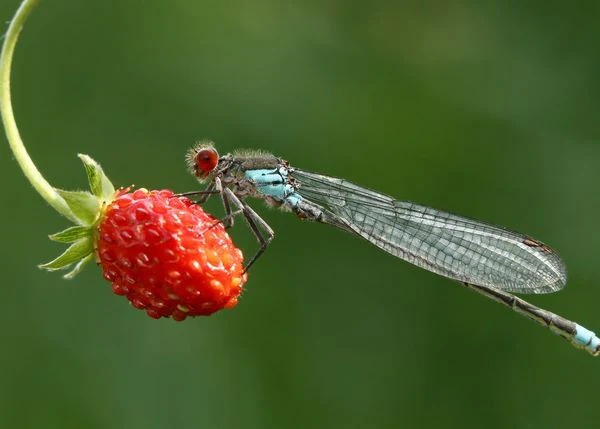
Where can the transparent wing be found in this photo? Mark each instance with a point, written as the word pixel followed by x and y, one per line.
pixel 453 246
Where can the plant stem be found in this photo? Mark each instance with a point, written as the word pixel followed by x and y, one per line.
pixel 40 184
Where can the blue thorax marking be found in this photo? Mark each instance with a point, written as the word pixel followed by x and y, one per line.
pixel 273 183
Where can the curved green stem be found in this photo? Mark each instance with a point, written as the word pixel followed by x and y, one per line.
pixel 40 184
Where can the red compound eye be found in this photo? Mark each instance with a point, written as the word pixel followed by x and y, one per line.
pixel 206 160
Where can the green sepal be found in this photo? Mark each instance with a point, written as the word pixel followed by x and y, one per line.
pixel 71 234
pixel 78 267
pixel 83 204
pixel 100 185
pixel 78 250
pixel 86 210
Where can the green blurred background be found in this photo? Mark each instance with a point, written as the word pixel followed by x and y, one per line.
pixel 489 110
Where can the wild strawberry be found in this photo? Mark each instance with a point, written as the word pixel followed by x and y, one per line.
pixel 163 252
pixel 168 256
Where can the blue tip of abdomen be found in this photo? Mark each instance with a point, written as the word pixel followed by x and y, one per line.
pixel 587 339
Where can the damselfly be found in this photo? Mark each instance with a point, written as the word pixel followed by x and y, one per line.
pixel 490 260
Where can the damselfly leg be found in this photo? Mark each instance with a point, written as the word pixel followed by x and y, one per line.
pixel 255 222
pixel 204 195
pixel 228 199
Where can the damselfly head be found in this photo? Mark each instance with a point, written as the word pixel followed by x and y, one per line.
pixel 202 159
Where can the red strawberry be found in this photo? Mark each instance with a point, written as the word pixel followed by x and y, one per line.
pixel 168 256
pixel 163 252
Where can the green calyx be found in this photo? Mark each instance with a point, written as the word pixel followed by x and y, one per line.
pixel 85 209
